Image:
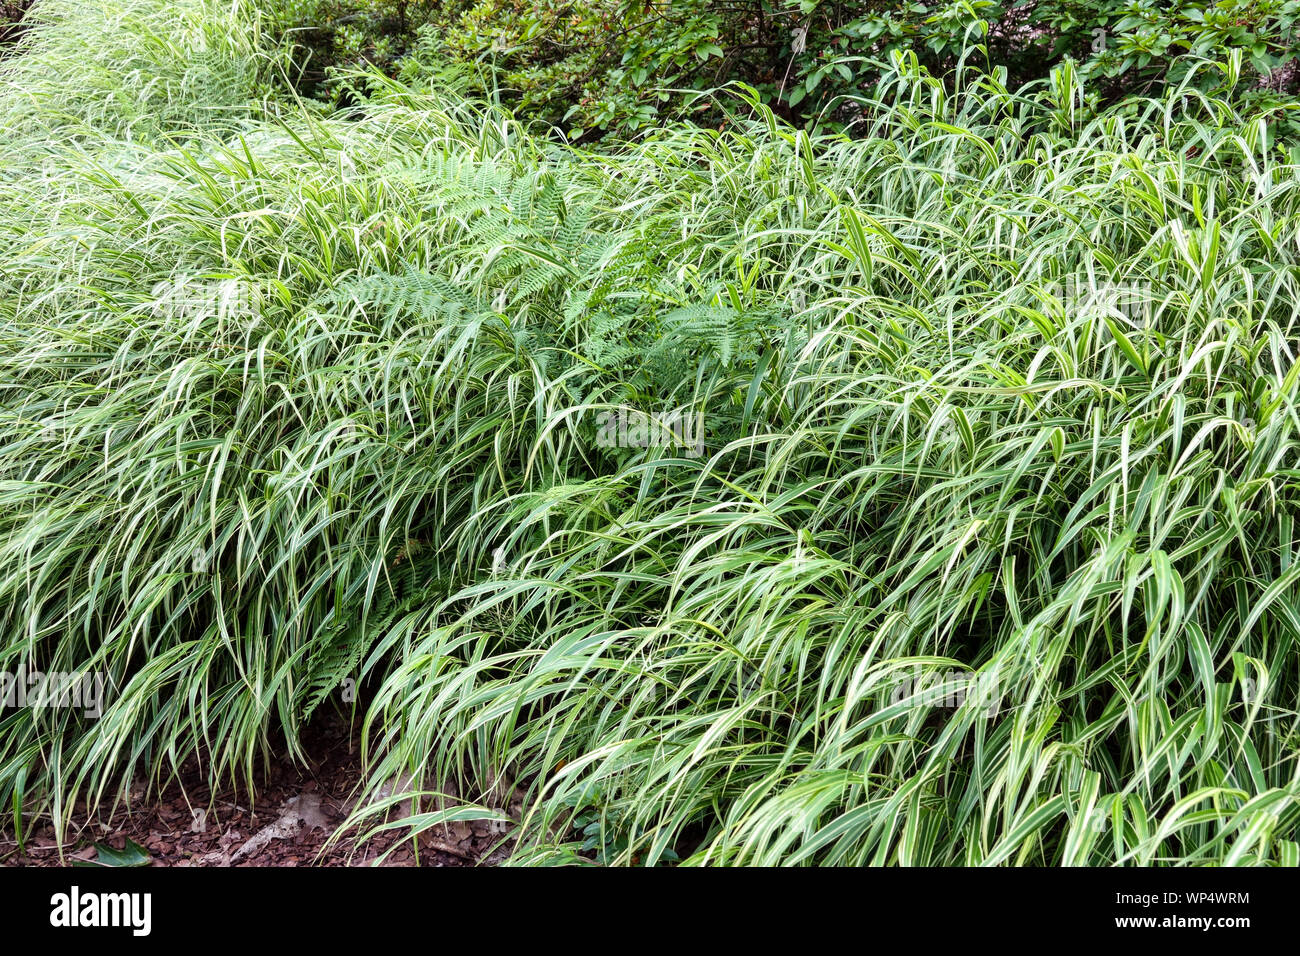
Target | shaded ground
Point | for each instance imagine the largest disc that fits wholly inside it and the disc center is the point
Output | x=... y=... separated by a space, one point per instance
x=11 y=11
x=296 y=811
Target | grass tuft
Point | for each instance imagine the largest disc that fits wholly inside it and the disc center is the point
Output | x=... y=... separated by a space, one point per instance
x=987 y=553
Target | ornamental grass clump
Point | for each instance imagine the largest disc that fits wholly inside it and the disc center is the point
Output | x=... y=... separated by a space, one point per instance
x=982 y=549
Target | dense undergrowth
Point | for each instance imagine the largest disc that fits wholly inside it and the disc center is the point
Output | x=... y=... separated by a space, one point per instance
x=617 y=67
x=290 y=399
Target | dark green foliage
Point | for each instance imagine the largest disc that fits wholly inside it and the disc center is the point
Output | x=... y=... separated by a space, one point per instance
x=596 y=66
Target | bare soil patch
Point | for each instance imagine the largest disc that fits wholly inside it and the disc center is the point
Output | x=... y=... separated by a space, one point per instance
x=295 y=811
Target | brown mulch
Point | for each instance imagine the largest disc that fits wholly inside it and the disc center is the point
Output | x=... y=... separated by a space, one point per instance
x=296 y=810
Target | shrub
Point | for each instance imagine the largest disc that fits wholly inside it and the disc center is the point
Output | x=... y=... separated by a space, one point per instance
x=627 y=65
